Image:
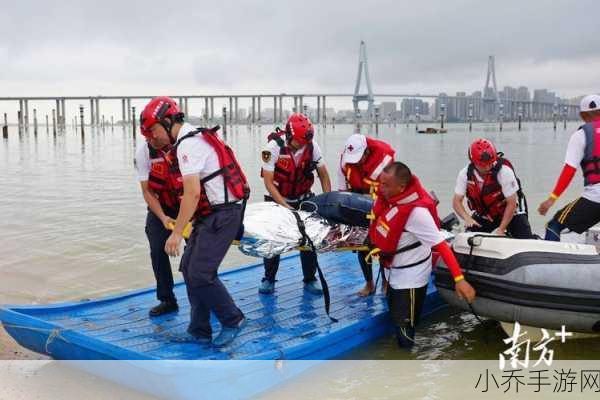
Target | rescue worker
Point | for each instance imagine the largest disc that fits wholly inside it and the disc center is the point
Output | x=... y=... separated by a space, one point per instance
x=361 y=164
x=493 y=194
x=289 y=160
x=404 y=233
x=583 y=150
x=162 y=187
x=214 y=187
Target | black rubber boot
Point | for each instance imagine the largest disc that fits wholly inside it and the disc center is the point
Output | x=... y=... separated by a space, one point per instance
x=405 y=336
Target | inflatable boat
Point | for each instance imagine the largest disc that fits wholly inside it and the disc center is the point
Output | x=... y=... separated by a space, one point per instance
x=534 y=282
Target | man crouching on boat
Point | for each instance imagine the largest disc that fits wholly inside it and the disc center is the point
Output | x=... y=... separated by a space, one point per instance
x=213 y=186
x=404 y=232
x=493 y=193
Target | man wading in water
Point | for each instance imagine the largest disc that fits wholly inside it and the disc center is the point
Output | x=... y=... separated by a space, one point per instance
x=405 y=230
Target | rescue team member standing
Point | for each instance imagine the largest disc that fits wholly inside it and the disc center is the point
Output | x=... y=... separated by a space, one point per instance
x=162 y=188
x=583 y=150
x=213 y=183
x=493 y=194
x=361 y=164
x=289 y=160
x=404 y=232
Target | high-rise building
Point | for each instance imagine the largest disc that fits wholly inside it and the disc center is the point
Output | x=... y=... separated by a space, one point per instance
x=411 y=107
x=387 y=109
x=477 y=101
x=523 y=94
x=441 y=101
x=461 y=106
x=507 y=97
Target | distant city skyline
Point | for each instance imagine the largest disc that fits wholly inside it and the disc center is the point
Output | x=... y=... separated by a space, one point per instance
x=111 y=48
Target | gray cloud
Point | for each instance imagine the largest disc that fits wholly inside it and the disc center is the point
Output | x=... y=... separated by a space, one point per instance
x=113 y=47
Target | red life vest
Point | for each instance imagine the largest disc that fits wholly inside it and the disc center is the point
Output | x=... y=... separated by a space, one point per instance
x=165 y=178
x=292 y=180
x=590 y=164
x=391 y=217
x=362 y=178
x=234 y=180
x=488 y=201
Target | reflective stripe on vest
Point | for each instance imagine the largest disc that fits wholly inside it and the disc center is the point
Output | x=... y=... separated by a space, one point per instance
x=362 y=178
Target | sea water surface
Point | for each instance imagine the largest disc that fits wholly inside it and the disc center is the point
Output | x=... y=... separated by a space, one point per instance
x=72 y=215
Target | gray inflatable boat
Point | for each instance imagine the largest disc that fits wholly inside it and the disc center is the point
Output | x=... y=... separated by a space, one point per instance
x=533 y=282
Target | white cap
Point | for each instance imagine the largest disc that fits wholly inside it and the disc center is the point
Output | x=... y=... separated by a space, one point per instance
x=591 y=102
x=354 y=149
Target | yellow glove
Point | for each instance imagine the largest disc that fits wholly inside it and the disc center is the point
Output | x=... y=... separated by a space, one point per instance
x=187 y=231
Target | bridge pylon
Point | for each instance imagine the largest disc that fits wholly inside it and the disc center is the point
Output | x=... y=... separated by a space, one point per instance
x=491 y=98
x=357 y=98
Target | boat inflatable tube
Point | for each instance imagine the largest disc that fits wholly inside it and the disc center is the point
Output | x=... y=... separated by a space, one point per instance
x=341 y=207
x=534 y=282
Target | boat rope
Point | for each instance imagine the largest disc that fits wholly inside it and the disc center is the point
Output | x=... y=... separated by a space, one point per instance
x=53 y=333
x=472 y=245
x=307 y=240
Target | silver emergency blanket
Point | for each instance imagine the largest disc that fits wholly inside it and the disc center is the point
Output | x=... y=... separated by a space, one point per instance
x=270 y=230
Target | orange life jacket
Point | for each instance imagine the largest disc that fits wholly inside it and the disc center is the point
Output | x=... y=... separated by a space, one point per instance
x=292 y=180
x=391 y=216
x=165 y=178
x=362 y=178
x=487 y=200
x=590 y=164
x=234 y=180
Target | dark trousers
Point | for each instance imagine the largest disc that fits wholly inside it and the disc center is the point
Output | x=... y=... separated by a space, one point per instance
x=308 y=259
x=366 y=267
x=578 y=216
x=157 y=236
x=204 y=252
x=518 y=228
x=405 y=307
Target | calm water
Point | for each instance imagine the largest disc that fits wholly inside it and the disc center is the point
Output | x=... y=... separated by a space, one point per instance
x=72 y=221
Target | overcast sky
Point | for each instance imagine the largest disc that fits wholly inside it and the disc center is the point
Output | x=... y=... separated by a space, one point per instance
x=194 y=47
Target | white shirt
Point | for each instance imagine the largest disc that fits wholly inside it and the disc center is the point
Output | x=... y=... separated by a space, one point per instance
x=575 y=154
x=506 y=179
x=142 y=162
x=196 y=156
x=421 y=227
x=273 y=148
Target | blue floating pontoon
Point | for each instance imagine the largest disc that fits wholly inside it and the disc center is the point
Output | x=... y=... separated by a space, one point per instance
x=289 y=325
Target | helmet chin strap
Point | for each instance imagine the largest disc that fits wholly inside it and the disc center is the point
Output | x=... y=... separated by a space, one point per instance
x=167 y=125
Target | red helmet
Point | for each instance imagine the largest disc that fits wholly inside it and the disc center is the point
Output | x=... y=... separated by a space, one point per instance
x=300 y=128
x=156 y=111
x=482 y=153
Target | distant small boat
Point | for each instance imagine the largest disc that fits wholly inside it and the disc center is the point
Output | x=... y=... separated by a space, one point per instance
x=433 y=130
